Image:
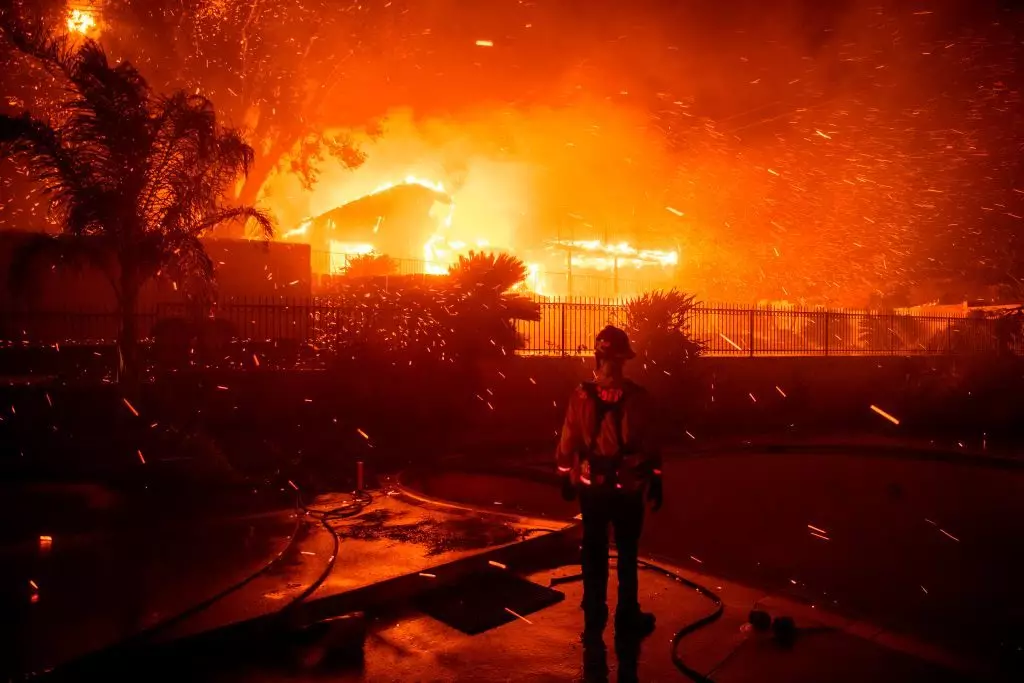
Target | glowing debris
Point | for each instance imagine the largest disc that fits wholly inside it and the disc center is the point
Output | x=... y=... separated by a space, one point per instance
x=518 y=616
x=884 y=414
x=485 y=43
x=130 y=407
x=45 y=542
x=141 y=458
x=730 y=341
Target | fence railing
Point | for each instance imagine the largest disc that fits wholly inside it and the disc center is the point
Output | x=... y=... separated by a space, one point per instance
x=568 y=326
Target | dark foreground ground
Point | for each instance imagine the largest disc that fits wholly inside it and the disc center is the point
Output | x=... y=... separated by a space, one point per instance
x=920 y=546
x=919 y=557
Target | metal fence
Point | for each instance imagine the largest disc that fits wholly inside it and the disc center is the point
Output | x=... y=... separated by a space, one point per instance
x=567 y=327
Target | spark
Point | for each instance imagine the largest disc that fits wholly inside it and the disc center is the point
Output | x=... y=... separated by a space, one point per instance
x=33 y=584
x=292 y=484
x=734 y=344
x=781 y=392
x=518 y=616
x=428 y=576
x=306 y=552
x=49 y=400
x=675 y=211
x=950 y=535
x=824 y=538
x=363 y=434
x=45 y=542
x=773 y=172
x=925 y=590
x=814 y=528
x=256 y=360
x=485 y=43
x=130 y=407
x=827 y=137
x=752 y=397
x=499 y=565
x=930 y=521
x=222 y=387
x=884 y=414
x=691 y=436
x=141 y=458
x=697 y=560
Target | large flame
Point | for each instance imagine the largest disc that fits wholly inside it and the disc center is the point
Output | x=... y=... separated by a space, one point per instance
x=442 y=250
x=80 y=21
x=596 y=255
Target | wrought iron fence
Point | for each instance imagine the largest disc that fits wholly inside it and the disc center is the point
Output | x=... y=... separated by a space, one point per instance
x=567 y=327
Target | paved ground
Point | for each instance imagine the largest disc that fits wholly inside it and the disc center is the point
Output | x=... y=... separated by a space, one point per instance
x=919 y=547
x=80 y=594
x=544 y=646
x=95 y=589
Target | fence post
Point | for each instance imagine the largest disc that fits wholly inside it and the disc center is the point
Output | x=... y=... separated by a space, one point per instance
x=949 y=336
x=561 y=315
x=826 y=332
x=752 y=312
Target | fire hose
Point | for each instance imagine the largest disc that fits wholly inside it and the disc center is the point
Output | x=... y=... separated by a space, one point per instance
x=686 y=630
x=351 y=508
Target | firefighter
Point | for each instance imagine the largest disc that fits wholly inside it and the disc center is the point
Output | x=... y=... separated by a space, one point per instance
x=607 y=458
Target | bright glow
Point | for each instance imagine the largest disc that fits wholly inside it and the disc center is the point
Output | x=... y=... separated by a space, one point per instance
x=596 y=255
x=411 y=180
x=301 y=230
x=342 y=252
x=80 y=21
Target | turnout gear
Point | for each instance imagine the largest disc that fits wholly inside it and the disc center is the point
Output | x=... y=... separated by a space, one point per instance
x=608 y=457
x=606 y=439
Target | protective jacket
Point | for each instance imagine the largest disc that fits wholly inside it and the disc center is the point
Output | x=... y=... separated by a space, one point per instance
x=607 y=438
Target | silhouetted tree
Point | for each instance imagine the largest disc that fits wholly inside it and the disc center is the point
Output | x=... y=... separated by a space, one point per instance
x=484 y=312
x=134 y=178
x=658 y=324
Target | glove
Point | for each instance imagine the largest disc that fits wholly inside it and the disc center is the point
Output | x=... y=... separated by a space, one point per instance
x=655 y=494
x=568 y=490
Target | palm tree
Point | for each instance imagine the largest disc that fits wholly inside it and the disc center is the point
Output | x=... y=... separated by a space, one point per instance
x=484 y=314
x=134 y=178
x=658 y=323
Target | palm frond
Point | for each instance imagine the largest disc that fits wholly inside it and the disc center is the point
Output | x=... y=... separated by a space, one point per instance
x=487 y=273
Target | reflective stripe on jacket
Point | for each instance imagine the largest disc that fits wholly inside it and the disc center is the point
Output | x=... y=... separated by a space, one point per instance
x=630 y=455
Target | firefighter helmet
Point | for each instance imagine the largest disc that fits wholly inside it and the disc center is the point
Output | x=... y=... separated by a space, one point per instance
x=612 y=342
